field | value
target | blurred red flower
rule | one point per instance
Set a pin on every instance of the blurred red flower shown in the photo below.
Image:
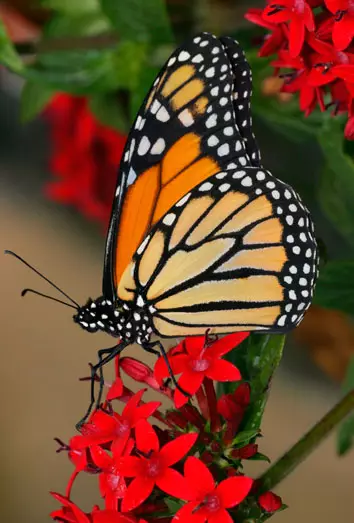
(198, 358)
(85, 157)
(313, 41)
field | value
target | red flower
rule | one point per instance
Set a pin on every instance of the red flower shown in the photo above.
(270, 502)
(85, 157)
(207, 501)
(300, 17)
(297, 80)
(324, 61)
(71, 513)
(153, 467)
(112, 482)
(196, 359)
(343, 28)
(246, 452)
(274, 41)
(232, 408)
(115, 428)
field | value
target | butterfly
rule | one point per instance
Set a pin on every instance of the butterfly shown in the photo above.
(201, 236)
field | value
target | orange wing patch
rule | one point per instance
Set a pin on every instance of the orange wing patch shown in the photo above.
(156, 190)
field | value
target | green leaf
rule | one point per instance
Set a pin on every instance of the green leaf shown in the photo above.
(259, 457)
(83, 24)
(109, 111)
(173, 505)
(336, 192)
(145, 80)
(263, 357)
(345, 439)
(34, 98)
(244, 437)
(90, 71)
(71, 6)
(141, 20)
(335, 286)
(8, 54)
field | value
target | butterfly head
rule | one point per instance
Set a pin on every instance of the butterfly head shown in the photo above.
(98, 315)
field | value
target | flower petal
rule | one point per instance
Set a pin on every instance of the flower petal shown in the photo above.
(186, 514)
(234, 490)
(221, 516)
(222, 370)
(199, 477)
(146, 437)
(176, 449)
(145, 411)
(226, 344)
(132, 404)
(174, 484)
(130, 466)
(100, 457)
(296, 36)
(115, 390)
(190, 382)
(138, 491)
(343, 32)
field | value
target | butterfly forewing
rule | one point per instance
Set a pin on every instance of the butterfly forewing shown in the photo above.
(191, 126)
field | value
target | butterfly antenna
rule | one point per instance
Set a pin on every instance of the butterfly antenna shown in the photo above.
(33, 291)
(77, 306)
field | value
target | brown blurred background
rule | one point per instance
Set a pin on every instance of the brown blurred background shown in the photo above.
(44, 353)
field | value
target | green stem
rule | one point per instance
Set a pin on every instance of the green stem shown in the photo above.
(291, 459)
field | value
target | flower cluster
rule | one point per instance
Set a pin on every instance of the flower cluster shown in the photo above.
(183, 465)
(84, 160)
(313, 41)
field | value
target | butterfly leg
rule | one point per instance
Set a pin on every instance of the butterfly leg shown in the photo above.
(150, 348)
(111, 353)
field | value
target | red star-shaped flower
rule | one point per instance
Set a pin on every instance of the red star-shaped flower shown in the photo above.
(324, 60)
(71, 513)
(277, 39)
(195, 359)
(115, 428)
(153, 467)
(111, 481)
(298, 80)
(343, 28)
(208, 501)
(300, 17)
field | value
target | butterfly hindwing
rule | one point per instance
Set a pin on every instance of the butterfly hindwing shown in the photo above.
(190, 127)
(237, 253)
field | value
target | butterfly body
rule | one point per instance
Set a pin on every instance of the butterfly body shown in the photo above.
(129, 322)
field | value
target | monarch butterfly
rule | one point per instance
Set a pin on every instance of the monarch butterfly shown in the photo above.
(201, 235)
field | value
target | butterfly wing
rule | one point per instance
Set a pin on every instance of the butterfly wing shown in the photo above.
(194, 122)
(237, 252)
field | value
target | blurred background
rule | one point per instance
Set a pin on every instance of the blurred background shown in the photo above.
(53, 212)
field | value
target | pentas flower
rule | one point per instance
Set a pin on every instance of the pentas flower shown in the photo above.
(314, 45)
(71, 513)
(277, 39)
(232, 408)
(343, 28)
(84, 160)
(209, 501)
(198, 358)
(114, 428)
(300, 17)
(153, 467)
